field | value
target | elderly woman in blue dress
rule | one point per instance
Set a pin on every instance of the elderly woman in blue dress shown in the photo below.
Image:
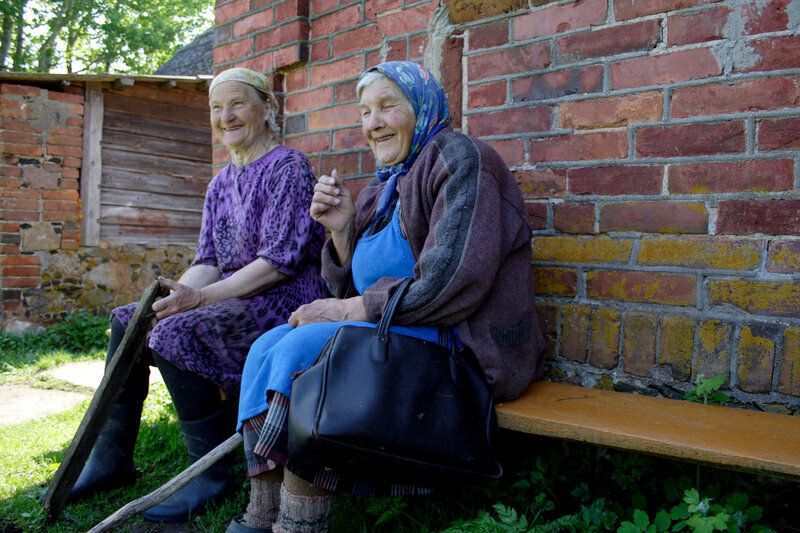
(444, 210)
(257, 260)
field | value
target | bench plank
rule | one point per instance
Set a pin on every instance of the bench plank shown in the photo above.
(726, 436)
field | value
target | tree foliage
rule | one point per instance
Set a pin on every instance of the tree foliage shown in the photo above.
(126, 36)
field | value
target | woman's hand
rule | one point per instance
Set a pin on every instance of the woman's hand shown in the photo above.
(332, 204)
(182, 298)
(329, 310)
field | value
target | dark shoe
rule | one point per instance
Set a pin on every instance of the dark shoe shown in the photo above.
(237, 525)
(201, 437)
(111, 461)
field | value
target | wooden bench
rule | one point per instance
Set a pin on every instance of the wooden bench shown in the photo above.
(743, 439)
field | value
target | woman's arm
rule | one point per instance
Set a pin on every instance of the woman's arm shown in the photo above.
(200, 286)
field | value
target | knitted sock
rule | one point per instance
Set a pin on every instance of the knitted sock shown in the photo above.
(303, 514)
(262, 510)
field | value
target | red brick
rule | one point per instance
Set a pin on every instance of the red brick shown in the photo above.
(614, 181)
(697, 27)
(619, 39)
(296, 80)
(691, 139)
(556, 281)
(348, 17)
(561, 18)
(751, 95)
(765, 17)
(537, 214)
(573, 218)
(488, 35)
(557, 84)
(320, 51)
(575, 332)
(643, 287)
(357, 39)
(61, 195)
(230, 11)
(346, 164)
(379, 6)
(297, 30)
(611, 112)
(23, 149)
(655, 217)
(408, 20)
(536, 184)
(511, 151)
(233, 51)
(332, 117)
(21, 138)
(664, 69)
(20, 260)
(21, 283)
(397, 50)
(20, 271)
(580, 147)
(629, 9)
(639, 346)
(783, 257)
(508, 61)
(291, 9)
(779, 134)
(521, 120)
(309, 100)
(253, 22)
(772, 217)
(487, 95)
(338, 70)
(417, 45)
(764, 175)
(19, 125)
(773, 53)
(348, 138)
(58, 149)
(20, 90)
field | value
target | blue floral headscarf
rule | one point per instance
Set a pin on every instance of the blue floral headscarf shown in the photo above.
(430, 107)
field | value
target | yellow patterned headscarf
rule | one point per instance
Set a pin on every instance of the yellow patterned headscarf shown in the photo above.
(244, 75)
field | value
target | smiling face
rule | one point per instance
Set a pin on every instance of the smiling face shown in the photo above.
(387, 121)
(238, 115)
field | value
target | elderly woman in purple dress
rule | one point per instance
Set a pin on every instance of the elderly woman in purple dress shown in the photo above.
(258, 259)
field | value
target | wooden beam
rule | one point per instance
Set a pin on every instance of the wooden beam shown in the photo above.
(130, 349)
(170, 487)
(92, 170)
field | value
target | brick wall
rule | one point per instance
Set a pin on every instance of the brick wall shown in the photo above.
(45, 273)
(655, 141)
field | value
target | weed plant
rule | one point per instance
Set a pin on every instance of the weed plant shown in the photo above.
(549, 485)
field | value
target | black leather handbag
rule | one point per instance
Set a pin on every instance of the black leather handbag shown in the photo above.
(383, 406)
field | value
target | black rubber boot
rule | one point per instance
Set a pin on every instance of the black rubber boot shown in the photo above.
(111, 461)
(201, 437)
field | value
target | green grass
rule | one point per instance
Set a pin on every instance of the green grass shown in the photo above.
(550, 485)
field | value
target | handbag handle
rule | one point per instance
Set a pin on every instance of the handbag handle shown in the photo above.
(380, 341)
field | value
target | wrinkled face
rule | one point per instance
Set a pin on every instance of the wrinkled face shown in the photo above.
(238, 115)
(387, 121)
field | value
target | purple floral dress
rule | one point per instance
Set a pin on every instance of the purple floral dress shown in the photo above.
(260, 210)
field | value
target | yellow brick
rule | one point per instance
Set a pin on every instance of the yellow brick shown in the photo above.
(773, 298)
(581, 249)
(701, 252)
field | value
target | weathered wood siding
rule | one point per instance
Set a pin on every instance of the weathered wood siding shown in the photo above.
(156, 154)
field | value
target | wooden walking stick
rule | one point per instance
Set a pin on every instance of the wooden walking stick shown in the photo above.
(128, 352)
(170, 487)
